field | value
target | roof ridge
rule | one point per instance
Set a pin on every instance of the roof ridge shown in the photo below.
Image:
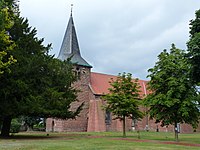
(117, 76)
(103, 74)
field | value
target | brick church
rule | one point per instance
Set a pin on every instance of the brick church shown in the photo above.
(92, 86)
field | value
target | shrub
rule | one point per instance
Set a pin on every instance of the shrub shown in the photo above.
(15, 126)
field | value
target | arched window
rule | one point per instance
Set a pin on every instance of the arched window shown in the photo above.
(108, 117)
(77, 72)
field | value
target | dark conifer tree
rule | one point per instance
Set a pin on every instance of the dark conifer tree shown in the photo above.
(38, 84)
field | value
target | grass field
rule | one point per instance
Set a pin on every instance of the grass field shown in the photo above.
(100, 141)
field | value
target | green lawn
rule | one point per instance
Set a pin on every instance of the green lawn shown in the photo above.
(99, 141)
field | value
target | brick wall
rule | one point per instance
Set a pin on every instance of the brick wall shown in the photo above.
(152, 126)
(117, 125)
(96, 122)
(81, 122)
(54, 125)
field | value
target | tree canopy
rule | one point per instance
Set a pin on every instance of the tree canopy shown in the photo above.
(38, 84)
(194, 48)
(123, 98)
(173, 98)
(6, 44)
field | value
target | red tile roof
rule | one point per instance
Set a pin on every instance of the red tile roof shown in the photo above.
(100, 84)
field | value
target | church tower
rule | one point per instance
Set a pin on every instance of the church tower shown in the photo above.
(70, 49)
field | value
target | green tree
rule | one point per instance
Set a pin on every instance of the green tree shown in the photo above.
(194, 48)
(6, 44)
(38, 85)
(123, 98)
(173, 98)
(29, 122)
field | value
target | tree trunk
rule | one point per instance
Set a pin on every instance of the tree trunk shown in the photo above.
(124, 126)
(29, 128)
(176, 131)
(6, 126)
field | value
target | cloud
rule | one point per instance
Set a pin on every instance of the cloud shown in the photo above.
(115, 35)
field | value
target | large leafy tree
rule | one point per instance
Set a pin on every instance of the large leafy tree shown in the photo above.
(123, 98)
(173, 98)
(6, 44)
(38, 84)
(194, 48)
(29, 122)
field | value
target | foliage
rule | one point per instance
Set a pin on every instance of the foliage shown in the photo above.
(6, 44)
(123, 98)
(31, 122)
(194, 48)
(173, 98)
(195, 24)
(15, 126)
(39, 85)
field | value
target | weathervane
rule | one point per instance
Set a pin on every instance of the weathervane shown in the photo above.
(71, 8)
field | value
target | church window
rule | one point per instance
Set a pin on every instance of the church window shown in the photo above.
(79, 75)
(83, 70)
(77, 72)
(108, 117)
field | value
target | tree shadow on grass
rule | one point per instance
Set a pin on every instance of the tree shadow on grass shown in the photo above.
(43, 136)
(29, 137)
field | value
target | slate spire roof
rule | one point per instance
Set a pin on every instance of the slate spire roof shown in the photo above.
(70, 46)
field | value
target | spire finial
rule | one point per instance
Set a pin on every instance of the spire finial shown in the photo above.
(71, 8)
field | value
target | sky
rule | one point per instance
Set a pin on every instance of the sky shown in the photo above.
(115, 36)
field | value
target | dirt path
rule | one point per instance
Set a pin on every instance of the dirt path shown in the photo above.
(161, 142)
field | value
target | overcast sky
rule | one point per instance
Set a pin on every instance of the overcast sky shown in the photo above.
(115, 35)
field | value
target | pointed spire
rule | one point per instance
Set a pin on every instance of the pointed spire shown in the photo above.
(70, 46)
